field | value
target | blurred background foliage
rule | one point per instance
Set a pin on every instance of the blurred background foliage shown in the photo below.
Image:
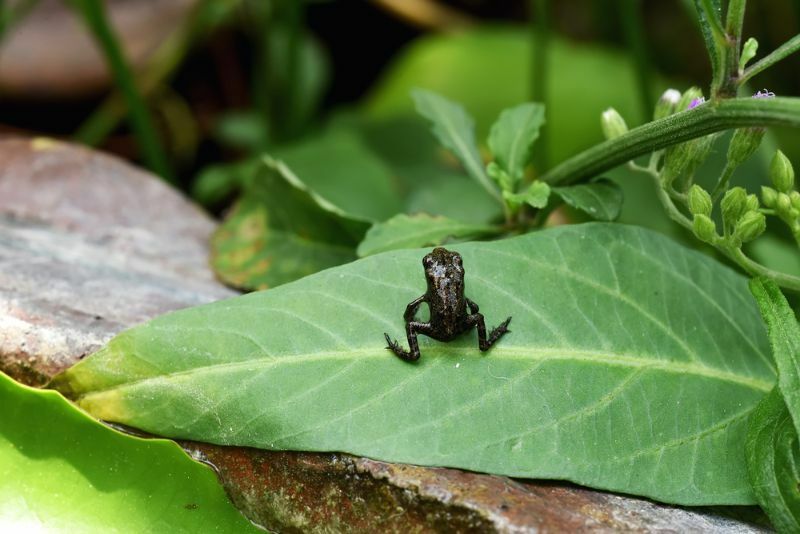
(201, 88)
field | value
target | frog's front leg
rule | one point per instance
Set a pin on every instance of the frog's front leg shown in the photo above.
(476, 319)
(411, 309)
(412, 329)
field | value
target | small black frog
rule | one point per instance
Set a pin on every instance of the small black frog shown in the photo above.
(448, 307)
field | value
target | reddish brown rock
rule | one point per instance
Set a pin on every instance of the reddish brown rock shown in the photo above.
(90, 246)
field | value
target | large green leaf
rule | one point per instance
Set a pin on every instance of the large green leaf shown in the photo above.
(632, 366)
(419, 230)
(61, 471)
(512, 136)
(280, 231)
(773, 460)
(455, 129)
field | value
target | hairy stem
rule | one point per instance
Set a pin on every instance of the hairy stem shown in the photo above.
(691, 124)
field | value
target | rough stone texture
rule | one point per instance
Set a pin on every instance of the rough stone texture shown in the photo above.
(90, 246)
(51, 54)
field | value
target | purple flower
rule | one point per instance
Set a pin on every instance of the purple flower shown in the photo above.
(696, 102)
(764, 94)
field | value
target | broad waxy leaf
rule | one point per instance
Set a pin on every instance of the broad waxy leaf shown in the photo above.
(784, 337)
(280, 231)
(512, 136)
(773, 460)
(455, 129)
(601, 200)
(61, 471)
(419, 230)
(615, 374)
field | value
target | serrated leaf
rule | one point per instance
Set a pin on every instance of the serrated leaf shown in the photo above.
(419, 230)
(280, 231)
(615, 375)
(512, 136)
(773, 459)
(784, 337)
(455, 129)
(61, 471)
(601, 200)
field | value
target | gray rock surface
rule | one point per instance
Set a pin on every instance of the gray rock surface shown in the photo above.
(89, 246)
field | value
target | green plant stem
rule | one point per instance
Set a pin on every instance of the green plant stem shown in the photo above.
(169, 55)
(722, 183)
(691, 124)
(540, 39)
(736, 255)
(94, 15)
(782, 52)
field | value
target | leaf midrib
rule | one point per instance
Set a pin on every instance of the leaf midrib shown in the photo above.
(498, 353)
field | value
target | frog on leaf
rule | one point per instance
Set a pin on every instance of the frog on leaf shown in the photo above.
(449, 317)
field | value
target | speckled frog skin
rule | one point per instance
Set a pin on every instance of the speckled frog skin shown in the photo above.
(451, 313)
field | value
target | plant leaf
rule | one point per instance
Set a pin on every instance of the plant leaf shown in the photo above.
(419, 230)
(280, 231)
(512, 136)
(773, 459)
(615, 374)
(339, 168)
(537, 195)
(61, 471)
(708, 33)
(601, 200)
(784, 337)
(455, 129)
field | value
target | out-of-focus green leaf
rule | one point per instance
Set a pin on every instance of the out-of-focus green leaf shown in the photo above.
(280, 231)
(488, 69)
(243, 130)
(512, 136)
(61, 471)
(341, 169)
(773, 461)
(615, 374)
(419, 230)
(216, 183)
(455, 129)
(454, 196)
(776, 253)
(601, 200)
(537, 195)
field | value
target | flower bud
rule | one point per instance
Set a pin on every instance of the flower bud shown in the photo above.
(667, 104)
(781, 173)
(704, 228)
(613, 124)
(794, 196)
(769, 196)
(744, 143)
(699, 201)
(733, 205)
(752, 203)
(750, 226)
(748, 52)
(686, 157)
(783, 204)
(688, 98)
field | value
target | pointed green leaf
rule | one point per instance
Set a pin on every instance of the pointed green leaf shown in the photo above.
(537, 195)
(512, 137)
(632, 365)
(601, 200)
(773, 461)
(61, 471)
(455, 129)
(280, 231)
(420, 230)
(784, 337)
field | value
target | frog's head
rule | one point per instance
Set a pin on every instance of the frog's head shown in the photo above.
(442, 265)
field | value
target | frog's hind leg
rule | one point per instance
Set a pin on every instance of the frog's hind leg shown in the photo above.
(476, 319)
(412, 329)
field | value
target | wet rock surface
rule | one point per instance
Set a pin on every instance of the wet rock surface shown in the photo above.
(89, 246)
